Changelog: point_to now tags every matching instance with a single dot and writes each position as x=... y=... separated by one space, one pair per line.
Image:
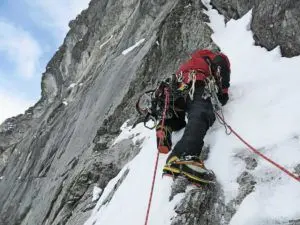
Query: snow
x=103 y=44
x=96 y=193
x=129 y=202
x=189 y=5
x=263 y=109
x=72 y=85
x=125 y=52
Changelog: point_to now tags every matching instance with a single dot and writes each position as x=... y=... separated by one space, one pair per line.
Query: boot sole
x=192 y=178
x=198 y=185
x=189 y=163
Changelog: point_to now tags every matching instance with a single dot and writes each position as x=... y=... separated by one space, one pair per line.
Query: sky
x=30 y=33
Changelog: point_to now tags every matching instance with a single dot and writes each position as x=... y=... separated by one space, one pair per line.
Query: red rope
x=166 y=91
x=152 y=188
x=257 y=152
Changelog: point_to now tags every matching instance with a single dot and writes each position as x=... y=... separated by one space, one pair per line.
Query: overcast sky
x=30 y=33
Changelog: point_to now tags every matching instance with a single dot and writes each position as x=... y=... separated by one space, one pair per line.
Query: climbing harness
x=144 y=107
x=151 y=104
x=210 y=91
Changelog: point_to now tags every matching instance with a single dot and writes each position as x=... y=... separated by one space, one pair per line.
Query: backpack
x=202 y=64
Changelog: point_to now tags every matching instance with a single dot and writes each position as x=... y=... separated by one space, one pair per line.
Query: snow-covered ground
x=263 y=109
x=129 y=204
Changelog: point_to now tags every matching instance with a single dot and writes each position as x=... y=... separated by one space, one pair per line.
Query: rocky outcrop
x=205 y=204
x=233 y=9
x=200 y=205
x=274 y=22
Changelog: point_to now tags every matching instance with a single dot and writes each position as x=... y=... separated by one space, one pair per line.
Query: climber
x=204 y=76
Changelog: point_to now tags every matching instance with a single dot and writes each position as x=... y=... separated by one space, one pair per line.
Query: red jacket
x=199 y=63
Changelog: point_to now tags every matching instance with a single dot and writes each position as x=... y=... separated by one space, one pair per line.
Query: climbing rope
x=152 y=188
x=221 y=117
x=210 y=91
x=166 y=106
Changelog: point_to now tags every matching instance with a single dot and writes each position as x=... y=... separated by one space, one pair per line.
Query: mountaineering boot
x=163 y=139
x=190 y=167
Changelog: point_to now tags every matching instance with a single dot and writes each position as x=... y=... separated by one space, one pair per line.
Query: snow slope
x=263 y=109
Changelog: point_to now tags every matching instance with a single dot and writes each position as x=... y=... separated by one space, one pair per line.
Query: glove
x=223 y=98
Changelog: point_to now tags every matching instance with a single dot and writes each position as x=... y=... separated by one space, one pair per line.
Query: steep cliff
x=52 y=156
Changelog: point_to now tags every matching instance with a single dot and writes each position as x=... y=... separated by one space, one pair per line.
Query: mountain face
x=52 y=156
x=275 y=22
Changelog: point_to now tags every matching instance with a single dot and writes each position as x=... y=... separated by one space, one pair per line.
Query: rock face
x=52 y=156
x=200 y=205
x=274 y=22
x=233 y=9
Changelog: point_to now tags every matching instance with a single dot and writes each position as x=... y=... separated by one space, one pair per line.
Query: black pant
x=200 y=117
